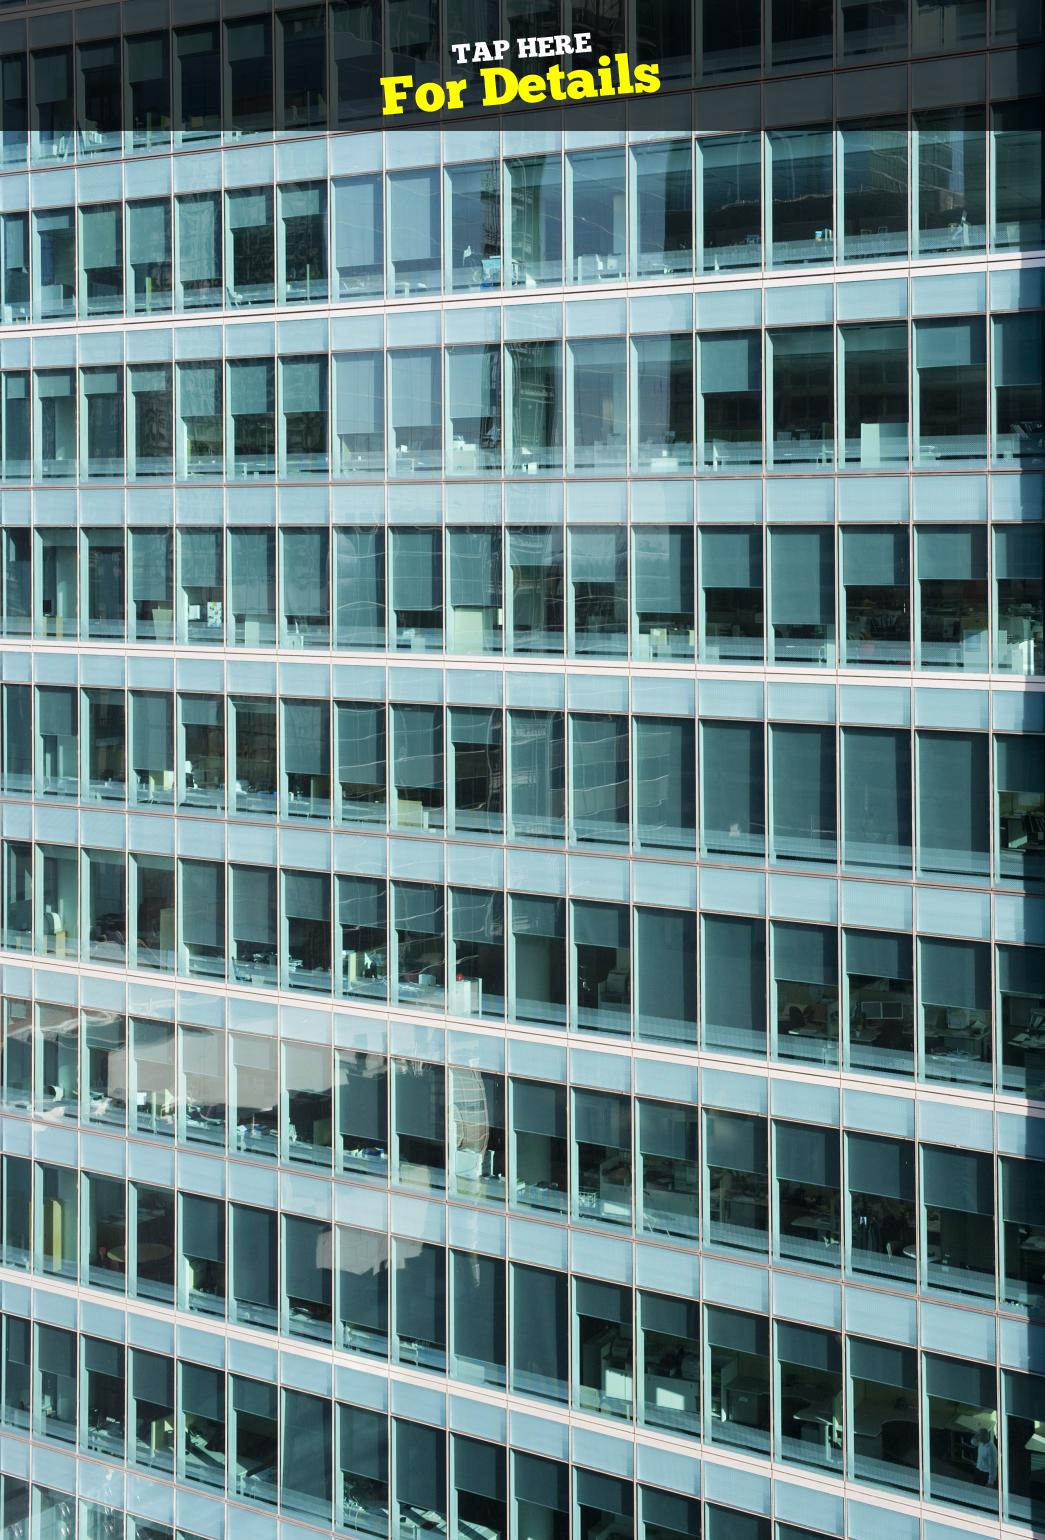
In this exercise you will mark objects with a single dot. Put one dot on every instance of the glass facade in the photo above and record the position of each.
(522, 780)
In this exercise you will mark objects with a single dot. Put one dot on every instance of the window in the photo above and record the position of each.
(733, 775)
(363, 1466)
(305, 759)
(808, 1197)
(739, 1372)
(414, 412)
(307, 953)
(956, 1010)
(202, 930)
(200, 760)
(662, 404)
(477, 1135)
(876, 800)
(662, 180)
(810, 1421)
(150, 264)
(305, 610)
(248, 86)
(198, 229)
(254, 931)
(802, 595)
(152, 748)
(602, 1150)
(1021, 807)
(1017, 211)
(255, 1259)
(734, 973)
(883, 1224)
(801, 184)
(200, 420)
(964, 1395)
(251, 414)
(874, 396)
(475, 770)
(664, 783)
(732, 600)
(536, 575)
(952, 590)
(420, 941)
(417, 767)
(57, 743)
(359, 414)
(362, 936)
(360, 587)
(473, 226)
(953, 807)
(14, 260)
(419, 1305)
(1021, 984)
(197, 82)
(800, 422)
(597, 230)
(1021, 1395)
(362, 1095)
(301, 101)
(958, 1196)
(200, 587)
(600, 791)
(874, 155)
(730, 175)
(54, 426)
(597, 425)
(803, 794)
(880, 991)
(738, 1183)
(99, 95)
(667, 1189)
(14, 109)
(730, 41)
(876, 596)
(252, 587)
(662, 593)
(598, 617)
(303, 417)
(950, 192)
(252, 730)
(201, 1424)
(475, 594)
(51, 72)
(805, 970)
(951, 391)
(413, 232)
(358, 237)
(604, 1357)
(303, 242)
(101, 422)
(254, 1095)
(55, 1397)
(101, 260)
(1018, 434)
(539, 959)
(533, 220)
(479, 1495)
(147, 82)
(150, 430)
(1023, 1233)
(533, 410)
(883, 1392)
(250, 249)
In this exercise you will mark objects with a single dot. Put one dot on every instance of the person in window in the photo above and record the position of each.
(986, 1458)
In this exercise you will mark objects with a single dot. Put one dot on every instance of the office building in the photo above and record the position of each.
(522, 788)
